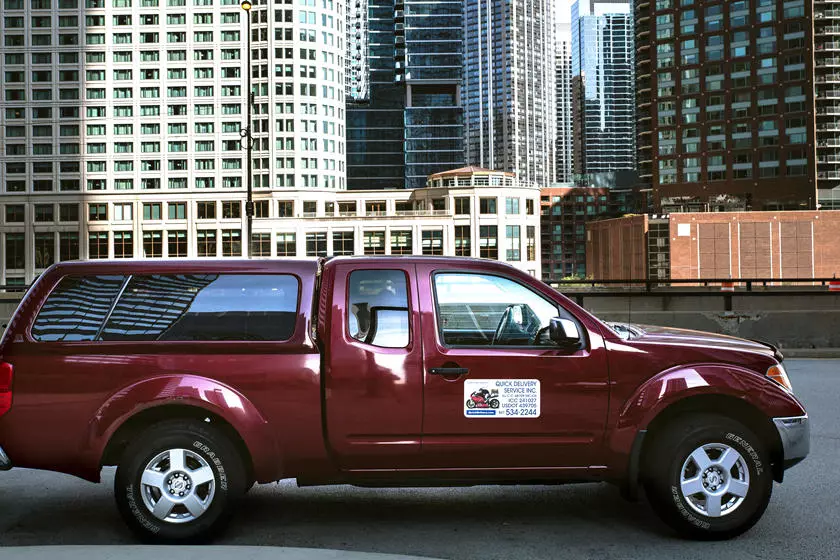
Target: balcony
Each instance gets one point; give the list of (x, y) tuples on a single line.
[(828, 14), (828, 46), (828, 94), (827, 30), (829, 110), (829, 143), (829, 159), (828, 79), (829, 127), (828, 174), (827, 62)]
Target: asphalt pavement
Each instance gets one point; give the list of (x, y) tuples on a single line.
[(513, 522)]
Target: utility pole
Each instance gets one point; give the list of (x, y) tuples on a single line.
[(246, 134)]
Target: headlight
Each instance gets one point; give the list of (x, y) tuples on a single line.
[(778, 374)]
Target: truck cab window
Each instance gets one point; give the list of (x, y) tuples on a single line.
[(485, 310), (378, 308)]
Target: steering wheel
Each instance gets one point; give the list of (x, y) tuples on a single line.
[(500, 327)]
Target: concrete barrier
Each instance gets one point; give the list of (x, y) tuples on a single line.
[(790, 321)]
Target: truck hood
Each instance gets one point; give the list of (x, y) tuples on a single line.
[(686, 337)]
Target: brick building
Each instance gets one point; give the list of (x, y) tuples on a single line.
[(793, 244), (564, 213)]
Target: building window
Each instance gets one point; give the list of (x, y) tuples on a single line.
[(98, 245), (343, 243), (401, 242), (261, 209), (375, 208), (231, 243), (487, 205), (374, 242), (98, 212), (68, 246), (152, 211), (511, 206), (123, 212), (206, 210), (513, 238), (462, 206), (463, 247), (529, 206), (488, 242), (44, 213), (177, 243), (44, 249), (286, 245), (15, 251), (531, 242), (316, 244), (123, 244), (232, 210), (285, 209), (432, 242), (206, 241), (261, 244), (177, 210), (152, 244)]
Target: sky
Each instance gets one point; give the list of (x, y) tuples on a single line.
[(564, 11)]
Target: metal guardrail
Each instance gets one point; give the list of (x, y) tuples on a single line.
[(653, 285)]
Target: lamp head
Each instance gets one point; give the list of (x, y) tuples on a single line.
[(245, 5)]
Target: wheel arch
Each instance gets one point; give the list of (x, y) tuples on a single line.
[(139, 422), (724, 405)]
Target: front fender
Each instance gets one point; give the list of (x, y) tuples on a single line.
[(186, 390), (673, 385)]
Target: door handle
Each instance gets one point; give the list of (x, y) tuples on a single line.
[(449, 371)]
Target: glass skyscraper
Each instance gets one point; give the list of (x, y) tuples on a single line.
[(411, 124), (603, 87)]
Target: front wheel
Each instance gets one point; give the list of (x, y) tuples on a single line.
[(178, 482), (708, 477), (470, 404)]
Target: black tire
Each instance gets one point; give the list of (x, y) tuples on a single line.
[(198, 438), (470, 404), (494, 403), (668, 452)]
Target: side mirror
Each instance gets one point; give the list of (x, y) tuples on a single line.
[(564, 332)]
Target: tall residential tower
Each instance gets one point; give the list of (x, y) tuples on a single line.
[(563, 82), (726, 104), (509, 91)]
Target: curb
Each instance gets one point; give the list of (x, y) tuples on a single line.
[(810, 352), (130, 552)]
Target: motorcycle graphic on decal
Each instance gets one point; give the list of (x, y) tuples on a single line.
[(484, 399)]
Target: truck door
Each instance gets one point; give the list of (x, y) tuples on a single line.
[(498, 392), (373, 371)]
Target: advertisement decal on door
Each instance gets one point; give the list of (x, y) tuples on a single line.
[(502, 398)]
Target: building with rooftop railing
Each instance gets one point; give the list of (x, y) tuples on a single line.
[(463, 212)]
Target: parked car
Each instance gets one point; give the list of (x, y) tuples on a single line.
[(199, 378)]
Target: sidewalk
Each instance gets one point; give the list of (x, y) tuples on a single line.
[(188, 553)]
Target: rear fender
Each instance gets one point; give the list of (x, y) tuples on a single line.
[(670, 387), (193, 391)]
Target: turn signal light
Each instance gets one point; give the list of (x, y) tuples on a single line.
[(778, 374), (6, 371)]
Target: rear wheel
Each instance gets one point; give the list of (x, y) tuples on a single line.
[(178, 482), (708, 477)]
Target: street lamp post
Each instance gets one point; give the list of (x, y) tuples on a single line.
[(245, 134)]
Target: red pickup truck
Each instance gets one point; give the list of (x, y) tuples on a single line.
[(198, 379)]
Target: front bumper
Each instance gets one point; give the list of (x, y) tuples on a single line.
[(5, 462), (795, 433)]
